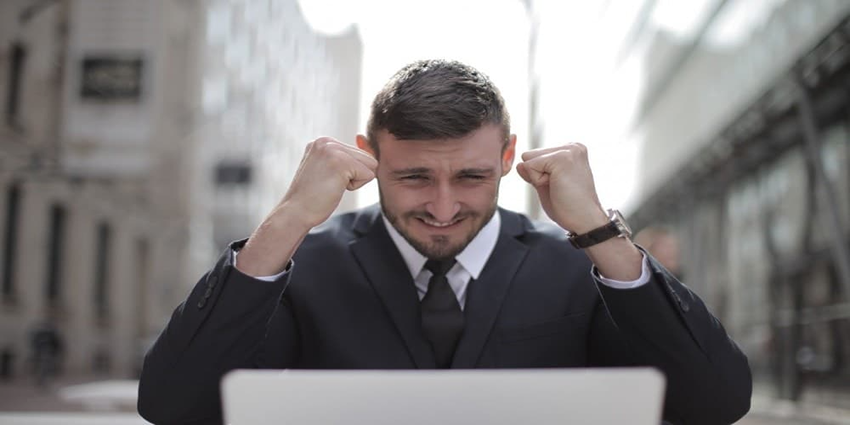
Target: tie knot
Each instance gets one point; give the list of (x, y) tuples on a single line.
[(439, 267)]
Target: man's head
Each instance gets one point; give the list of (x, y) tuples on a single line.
[(441, 134), (436, 99)]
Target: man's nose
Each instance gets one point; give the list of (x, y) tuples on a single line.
[(443, 205)]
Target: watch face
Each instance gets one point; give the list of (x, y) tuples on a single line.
[(621, 223)]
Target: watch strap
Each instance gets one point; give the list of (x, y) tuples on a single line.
[(595, 236)]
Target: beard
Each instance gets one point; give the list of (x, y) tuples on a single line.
[(438, 247)]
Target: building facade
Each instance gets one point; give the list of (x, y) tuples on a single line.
[(760, 201), (137, 139), (270, 85), (734, 115)]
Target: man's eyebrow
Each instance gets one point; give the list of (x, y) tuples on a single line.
[(476, 171), (416, 170)]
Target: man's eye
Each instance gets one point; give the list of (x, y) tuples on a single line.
[(472, 177), (413, 177)]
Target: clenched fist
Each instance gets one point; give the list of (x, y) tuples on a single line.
[(327, 169), (564, 182)]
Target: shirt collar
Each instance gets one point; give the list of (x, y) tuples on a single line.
[(472, 258)]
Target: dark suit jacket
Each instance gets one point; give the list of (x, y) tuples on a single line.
[(348, 302)]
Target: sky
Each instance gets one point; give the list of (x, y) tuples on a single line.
[(586, 96), (490, 35)]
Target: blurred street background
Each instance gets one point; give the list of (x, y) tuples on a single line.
[(139, 137)]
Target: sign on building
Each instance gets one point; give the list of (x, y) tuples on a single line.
[(106, 78)]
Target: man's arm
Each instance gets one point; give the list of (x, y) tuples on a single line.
[(233, 320), (221, 326), (663, 323), (327, 170)]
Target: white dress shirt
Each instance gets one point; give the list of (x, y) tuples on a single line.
[(470, 262)]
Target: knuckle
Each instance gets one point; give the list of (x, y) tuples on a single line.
[(324, 143), (580, 150), (564, 154)]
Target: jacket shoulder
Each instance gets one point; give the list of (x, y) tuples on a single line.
[(546, 238)]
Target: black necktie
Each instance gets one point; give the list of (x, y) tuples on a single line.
[(442, 319)]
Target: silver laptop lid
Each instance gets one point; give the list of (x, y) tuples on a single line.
[(540, 396)]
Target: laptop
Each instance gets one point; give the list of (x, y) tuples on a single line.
[(417, 397)]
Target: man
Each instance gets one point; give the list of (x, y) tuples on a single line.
[(438, 276)]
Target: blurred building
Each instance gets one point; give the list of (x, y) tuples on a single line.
[(751, 116), (737, 115), (270, 85), (137, 139)]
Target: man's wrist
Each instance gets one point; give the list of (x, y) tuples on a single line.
[(264, 278), (594, 221), (617, 259), (268, 251)]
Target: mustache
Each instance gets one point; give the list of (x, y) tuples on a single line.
[(428, 216)]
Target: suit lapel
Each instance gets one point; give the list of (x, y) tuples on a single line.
[(387, 273), (485, 295)]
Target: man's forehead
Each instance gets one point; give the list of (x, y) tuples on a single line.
[(482, 170), (485, 133)]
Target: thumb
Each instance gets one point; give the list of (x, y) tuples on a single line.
[(360, 176), (535, 171), (520, 169)]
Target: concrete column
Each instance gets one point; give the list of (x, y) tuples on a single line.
[(80, 275)]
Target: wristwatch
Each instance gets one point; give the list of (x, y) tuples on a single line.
[(617, 227)]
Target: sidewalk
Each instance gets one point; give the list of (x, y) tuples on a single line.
[(769, 411), (69, 394), (91, 400)]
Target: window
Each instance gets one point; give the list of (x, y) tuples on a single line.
[(7, 357), (233, 173), (13, 200), (16, 73), (55, 243)]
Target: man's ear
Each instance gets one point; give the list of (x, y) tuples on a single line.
[(508, 155), (363, 143)]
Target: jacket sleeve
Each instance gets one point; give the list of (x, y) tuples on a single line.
[(221, 326), (666, 325)]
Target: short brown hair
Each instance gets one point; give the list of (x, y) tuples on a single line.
[(436, 99)]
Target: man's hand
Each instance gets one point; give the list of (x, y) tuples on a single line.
[(565, 186), (564, 183), (327, 169)]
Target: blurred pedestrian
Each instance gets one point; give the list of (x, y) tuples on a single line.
[(663, 244), (47, 348)]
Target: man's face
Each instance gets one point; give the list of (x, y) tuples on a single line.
[(439, 193)]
